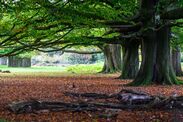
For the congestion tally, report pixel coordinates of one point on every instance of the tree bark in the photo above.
(165, 72)
(156, 67)
(14, 61)
(112, 55)
(130, 64)
(176, 61)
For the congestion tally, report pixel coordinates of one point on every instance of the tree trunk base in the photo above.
(145, 82)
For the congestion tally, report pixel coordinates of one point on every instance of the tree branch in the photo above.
(173, 14)
(81, 52)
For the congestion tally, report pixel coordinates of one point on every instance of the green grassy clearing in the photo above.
(85, 69)
(34, 69)
(3, 120)
(53, 70)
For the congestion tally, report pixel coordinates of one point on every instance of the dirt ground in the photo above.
(52, 89)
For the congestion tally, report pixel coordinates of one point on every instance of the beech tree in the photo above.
(112, 58)
(39, 25)
(156, 66)
(130, 64)
(176, 61)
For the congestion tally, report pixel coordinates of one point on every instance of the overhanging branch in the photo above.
(81, 52)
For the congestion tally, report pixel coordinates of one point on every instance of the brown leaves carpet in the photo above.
(52, 88)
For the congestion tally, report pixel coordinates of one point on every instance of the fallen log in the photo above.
(127, 100)
(91, 95)
(124, 96)
(24, 106)
(31, 107)
(133, 92)
(36, 106)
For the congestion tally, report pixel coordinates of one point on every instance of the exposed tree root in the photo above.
(128, 99)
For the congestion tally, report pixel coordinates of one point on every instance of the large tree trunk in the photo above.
(176, 61)
(14, 61)
(156, 67)
(165, 73)
(130, 64)
(112, 55)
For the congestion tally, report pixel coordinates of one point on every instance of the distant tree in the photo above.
(15, 61)
(176, 42)
(176, 60)
(112, 58)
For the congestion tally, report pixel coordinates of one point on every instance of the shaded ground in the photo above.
(52, 88)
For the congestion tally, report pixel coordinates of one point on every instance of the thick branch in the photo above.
(173, 14)
(81, 52)
(114, 40)
(127, 28)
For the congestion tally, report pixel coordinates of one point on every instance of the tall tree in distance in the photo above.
(112, 58)
(176, 60)
(130, 64)
(176, 42)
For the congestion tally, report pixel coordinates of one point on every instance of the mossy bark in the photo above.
(112, 55)
(156, 67)
(130, 64)
(165, 72)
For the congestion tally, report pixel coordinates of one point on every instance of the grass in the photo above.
(85, 69)
(52, 70)
(3, 120)
(33, 69)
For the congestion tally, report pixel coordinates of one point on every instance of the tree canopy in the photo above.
(52, 25)
(36, 24)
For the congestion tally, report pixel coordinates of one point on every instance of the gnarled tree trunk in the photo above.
(130, 64)
(112, 55)
(156, 67)
(176, 61)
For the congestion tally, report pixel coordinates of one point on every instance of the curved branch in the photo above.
(81, 52)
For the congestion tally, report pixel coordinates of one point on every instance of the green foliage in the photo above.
(85, 69)
(28, 54)
(35, 24)
(28, 25)
(177, 38)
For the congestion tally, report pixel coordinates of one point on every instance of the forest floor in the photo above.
(51, 88)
